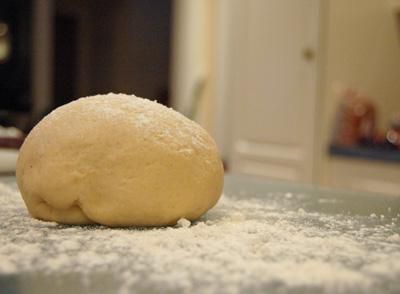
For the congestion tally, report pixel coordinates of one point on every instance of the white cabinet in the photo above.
(272, 87)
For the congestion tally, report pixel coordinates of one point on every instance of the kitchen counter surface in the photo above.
(263, 236)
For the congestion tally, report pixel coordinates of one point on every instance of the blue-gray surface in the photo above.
(263, 236)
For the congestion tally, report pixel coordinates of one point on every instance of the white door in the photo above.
(271, 87)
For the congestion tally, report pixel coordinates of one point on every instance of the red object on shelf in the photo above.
(355, 120)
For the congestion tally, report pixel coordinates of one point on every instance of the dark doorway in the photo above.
(120, 46)
(65, 59)
(15, 55)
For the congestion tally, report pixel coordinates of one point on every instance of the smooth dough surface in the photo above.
(118, 160)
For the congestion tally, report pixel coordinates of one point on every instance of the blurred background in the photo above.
(297, 90)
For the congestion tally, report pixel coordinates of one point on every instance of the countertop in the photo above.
(263, 236)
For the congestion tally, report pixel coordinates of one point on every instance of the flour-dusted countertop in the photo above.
(263, 236)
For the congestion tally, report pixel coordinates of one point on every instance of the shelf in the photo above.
(392, 156)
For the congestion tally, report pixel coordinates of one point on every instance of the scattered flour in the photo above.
(240, 246)
(183, 223)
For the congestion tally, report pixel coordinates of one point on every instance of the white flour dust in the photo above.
(240, 246)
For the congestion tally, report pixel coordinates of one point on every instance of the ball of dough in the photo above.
(118, 160)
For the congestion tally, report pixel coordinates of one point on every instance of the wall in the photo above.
(362, 51)
(192, 60)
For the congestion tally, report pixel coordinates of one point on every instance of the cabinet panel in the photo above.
(274, 88)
